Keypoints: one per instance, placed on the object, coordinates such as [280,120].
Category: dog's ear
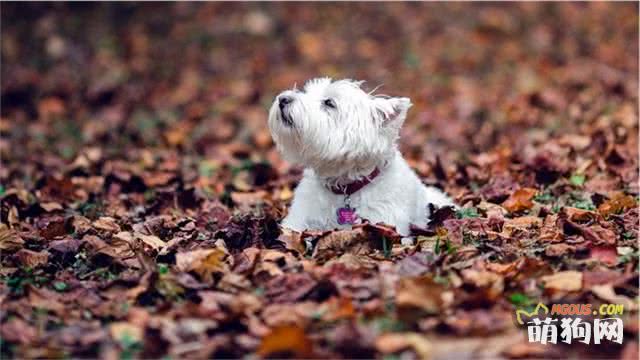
[393,110]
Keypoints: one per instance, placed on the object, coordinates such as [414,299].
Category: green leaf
[411,59]
[467,213]
[206,168]
[60,286]
[544,198]
[163,269]
[519,299]
[386,249]
[577,179]
[585,204]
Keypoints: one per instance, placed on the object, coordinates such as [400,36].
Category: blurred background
[189,77]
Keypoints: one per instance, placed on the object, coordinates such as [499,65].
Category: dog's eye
[329,103]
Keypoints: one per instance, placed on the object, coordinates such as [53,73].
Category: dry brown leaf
[288,339]
[520,200]
[599,235]
[563,281]
[152,241]
[203,262]
[617,204]
[492,210]
[9,239]
[421,293]
[292,240]
[521,223]
[52,226]
[338,308]
[118,249]
[45,299]
[106,223]
[579,215]
[483,279]
[32,259]
[276,315]
[550,230]
[390,343]
[557,250]
[51,206]
[339,242]
[13,217]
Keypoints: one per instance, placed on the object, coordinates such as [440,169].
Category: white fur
[341,145]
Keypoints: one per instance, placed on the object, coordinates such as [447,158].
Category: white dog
[346,139]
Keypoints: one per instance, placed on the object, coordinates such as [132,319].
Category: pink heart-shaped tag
[346,216]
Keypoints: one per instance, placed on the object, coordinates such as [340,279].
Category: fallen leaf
[152,241]
[395,342]
[288,339]
[292,240]
[9,239]
[118,250]
[605,254]
[18,330]
[617,204]
[484,279]
[65,246]
[339,308]
[563,281]
[342,241]
[32,259]
[579,215]
[498,189]
[520,200]
[204,262]
[419,293]
[550,231]
[51,206]
[558,250]
[599,235]
[416,264]
[52,226]
[290,287]
[522,223]
[106,223]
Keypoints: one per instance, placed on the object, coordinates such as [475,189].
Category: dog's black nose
[284,100]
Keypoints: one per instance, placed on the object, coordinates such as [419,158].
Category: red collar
[351,188]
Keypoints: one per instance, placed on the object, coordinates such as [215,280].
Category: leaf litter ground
[141,192]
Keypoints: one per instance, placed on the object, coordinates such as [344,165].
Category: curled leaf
[203,262]
[520,200]
[617,204]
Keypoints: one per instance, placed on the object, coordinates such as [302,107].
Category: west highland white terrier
[346,140]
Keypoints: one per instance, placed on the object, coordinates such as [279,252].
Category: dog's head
[335,127]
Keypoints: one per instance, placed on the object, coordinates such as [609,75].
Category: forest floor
[141,192]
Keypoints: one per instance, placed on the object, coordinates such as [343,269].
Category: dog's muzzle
[284,102]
